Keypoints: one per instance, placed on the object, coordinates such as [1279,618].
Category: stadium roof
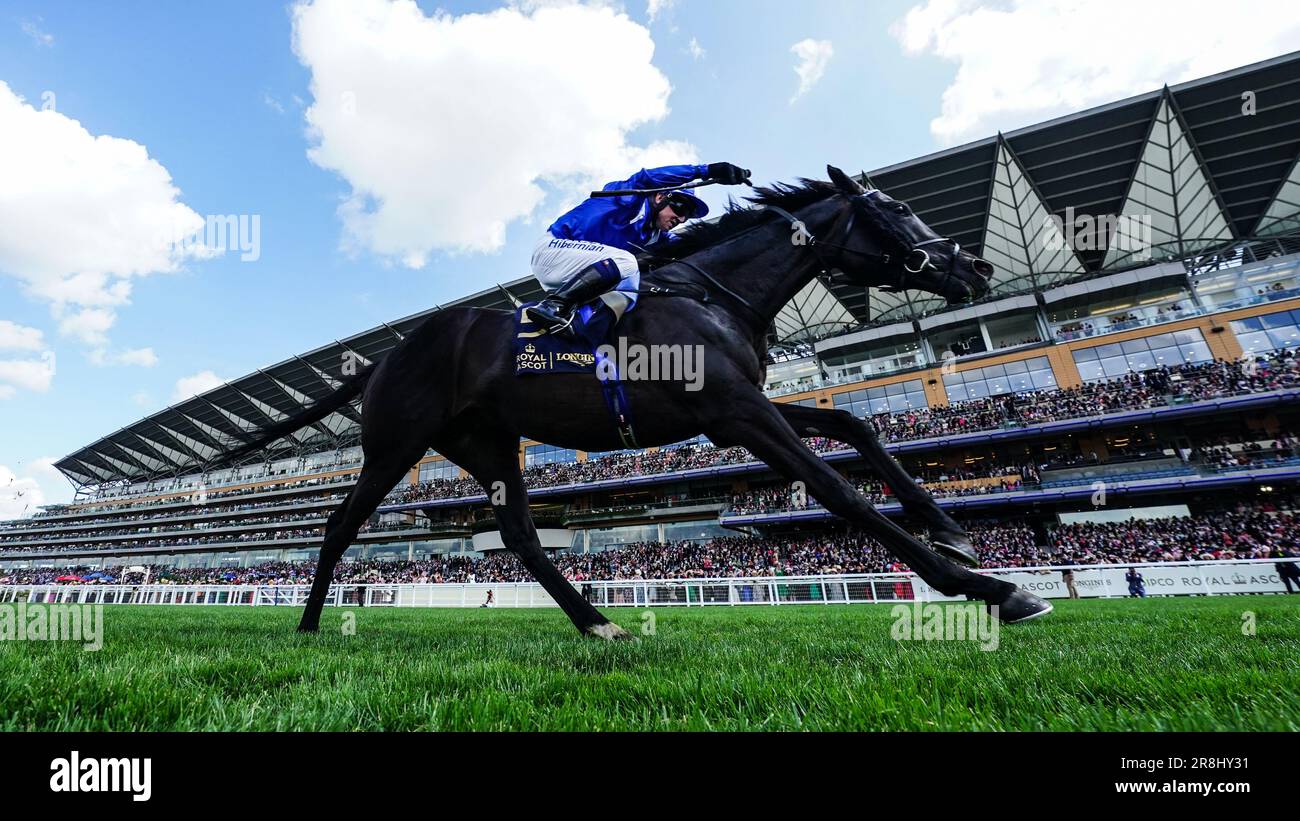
[1208,174]
[195,434]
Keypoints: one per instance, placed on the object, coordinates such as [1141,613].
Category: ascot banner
[1191,579]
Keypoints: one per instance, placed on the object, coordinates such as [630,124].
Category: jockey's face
[668,219]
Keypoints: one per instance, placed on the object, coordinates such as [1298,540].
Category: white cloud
[29,374]
[33,30]
[143,398]
[194,385]
[654,8]
[15,337]
[90,325]
[447,127]
[144,357]
[270,102]
[1028,60]
[21,496]
[813,56]
[82,215]
[695,49]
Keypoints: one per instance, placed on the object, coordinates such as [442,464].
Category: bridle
[913,260]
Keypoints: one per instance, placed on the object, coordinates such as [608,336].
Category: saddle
[538,353]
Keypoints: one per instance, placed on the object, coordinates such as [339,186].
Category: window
[1021,376]
[535,455]
[893,398]
[1103,362]
[1271,332]
[439,469]
[600,454]
[698,441]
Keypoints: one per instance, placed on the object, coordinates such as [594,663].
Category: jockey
[590,250]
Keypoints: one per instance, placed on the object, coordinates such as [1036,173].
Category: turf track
[1171,664]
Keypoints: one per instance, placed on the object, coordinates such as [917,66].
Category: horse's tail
[350,388]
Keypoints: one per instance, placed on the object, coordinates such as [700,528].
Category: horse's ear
[847,185]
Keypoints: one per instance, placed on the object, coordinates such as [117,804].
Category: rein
[912,261]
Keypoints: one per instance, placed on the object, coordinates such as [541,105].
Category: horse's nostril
[982,268]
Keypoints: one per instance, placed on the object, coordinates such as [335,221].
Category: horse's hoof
[957,548]
[308,628]
[1022,605]
[609,631]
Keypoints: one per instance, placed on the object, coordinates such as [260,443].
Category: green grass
[1172,664]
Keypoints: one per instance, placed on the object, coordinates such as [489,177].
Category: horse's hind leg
[378,477]
[495,465]
[755,422]
[946,536]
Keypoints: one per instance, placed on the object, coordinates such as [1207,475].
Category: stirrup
[560,329]
[566,329]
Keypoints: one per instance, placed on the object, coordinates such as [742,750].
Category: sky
[368,159]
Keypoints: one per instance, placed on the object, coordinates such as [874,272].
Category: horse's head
[885,244]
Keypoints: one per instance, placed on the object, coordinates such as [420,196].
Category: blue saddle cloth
[539,353]
[542,353]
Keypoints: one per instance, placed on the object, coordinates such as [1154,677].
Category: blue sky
[217,95]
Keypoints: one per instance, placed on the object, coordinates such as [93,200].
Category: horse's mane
[739,217]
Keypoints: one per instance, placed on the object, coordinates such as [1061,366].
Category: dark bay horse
[450,385]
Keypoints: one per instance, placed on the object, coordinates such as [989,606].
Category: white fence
[1090,581]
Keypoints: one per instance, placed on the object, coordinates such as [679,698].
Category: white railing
[1090,581]
[826,589]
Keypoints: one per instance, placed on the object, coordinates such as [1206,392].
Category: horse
[450,385]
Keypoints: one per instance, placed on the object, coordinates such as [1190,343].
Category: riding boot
[555,313]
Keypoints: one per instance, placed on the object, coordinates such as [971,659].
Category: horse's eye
[900,208]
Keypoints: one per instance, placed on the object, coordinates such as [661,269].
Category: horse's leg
[378,477]
[946,536]
[495,465]
[754,422]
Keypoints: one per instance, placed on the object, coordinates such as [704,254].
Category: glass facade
[440,469]
[1249,284]
[1271,332]
[608,538]
[1021,376]
[1135,355]
[1020,238]
[1170,206]
[899,396]
[548,454]
[598,454]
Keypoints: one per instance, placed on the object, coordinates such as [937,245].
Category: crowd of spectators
[217,541]
[197,496]
[20,526]
[1221,454]
[1246,532]
[1260,530]
[1152,388]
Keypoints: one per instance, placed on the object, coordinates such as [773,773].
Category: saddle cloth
[537,353]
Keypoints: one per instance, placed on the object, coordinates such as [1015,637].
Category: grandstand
[1164,375]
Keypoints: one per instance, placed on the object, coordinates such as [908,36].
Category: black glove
[726,173]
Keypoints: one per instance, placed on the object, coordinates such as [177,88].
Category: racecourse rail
[1255,576]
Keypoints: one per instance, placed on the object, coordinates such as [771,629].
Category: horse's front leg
[495,464]
[755,423]
[946,536]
